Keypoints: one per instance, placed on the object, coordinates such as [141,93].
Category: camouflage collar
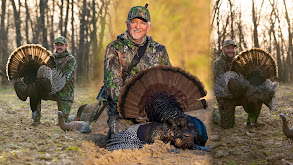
[61,55]
[135,43]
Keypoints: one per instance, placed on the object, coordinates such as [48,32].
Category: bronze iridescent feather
[159,91]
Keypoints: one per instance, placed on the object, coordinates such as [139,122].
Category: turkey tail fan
[256,65]
[26,60]
[160,88]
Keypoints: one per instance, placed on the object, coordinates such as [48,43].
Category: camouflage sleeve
[69,69]
[218,69]
[164,58]
[112,79]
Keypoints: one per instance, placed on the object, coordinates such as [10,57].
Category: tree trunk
[86,47]
[94,45]
[276,40]
[3,41]
[290,51]
[232,20]
[61,18]
[17,23]
[27,19]
[72,28]
[66,20]
[242,44]
[43,6]
[37,28]
[52,37]
[81,53]
[255,25]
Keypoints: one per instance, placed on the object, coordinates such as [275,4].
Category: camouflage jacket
[66,64]
[118,57]
[221,65]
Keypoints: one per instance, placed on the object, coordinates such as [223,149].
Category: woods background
[265,24]
[89,25]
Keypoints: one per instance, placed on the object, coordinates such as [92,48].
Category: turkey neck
[64,126]
[285,126]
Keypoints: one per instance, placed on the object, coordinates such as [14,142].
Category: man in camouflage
[225,116]
[119,55]
[66,64]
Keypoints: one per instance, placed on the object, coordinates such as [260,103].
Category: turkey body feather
[32,68]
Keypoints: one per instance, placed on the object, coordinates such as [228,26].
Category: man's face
[137,29]
[230,51]
[60,47]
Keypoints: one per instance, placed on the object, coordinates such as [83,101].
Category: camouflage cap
[61,39]
[229,42]
[139,12]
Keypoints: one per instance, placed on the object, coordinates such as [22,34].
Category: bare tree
[3,42]
[61,17]
[255,25]
[52,32]
[255,20]
[66,19]
[290,51]
[276,42]
[215,12]
[43,6]
[27,19]
[17,22]
[241,40]
[232,13]
[72,28]
[81,51]
[94,40]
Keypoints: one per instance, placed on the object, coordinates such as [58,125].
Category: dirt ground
[265,144]
[21,143]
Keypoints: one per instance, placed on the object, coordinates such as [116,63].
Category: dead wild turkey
[32,69]
[160,93]
[248,83]
[286,130]
[158,97]
[186,132]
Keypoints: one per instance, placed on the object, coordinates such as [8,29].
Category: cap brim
[59,42]
[141,19]
[231,44]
